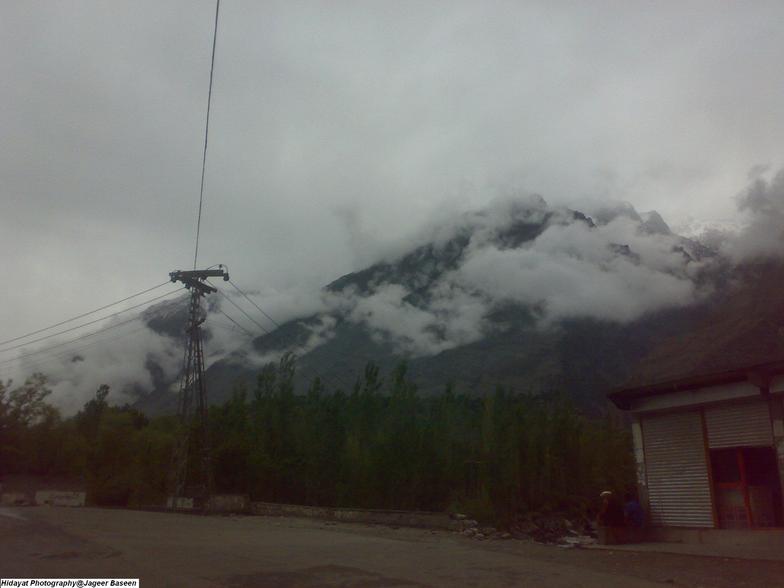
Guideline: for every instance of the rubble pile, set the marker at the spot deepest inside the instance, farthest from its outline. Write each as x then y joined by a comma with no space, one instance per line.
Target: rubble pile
548,529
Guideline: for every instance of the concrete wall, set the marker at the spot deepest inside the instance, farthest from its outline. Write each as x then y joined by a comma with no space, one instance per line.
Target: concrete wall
179,503
237,503
15,499
428,520
59,498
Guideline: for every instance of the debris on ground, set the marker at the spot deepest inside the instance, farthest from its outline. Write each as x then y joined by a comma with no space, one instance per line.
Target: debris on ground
549,529
554,528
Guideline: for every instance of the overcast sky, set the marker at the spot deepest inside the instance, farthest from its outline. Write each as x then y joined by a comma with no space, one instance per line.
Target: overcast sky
340,128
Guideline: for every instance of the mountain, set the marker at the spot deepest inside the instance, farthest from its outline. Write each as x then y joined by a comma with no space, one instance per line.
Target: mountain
539,299
740,326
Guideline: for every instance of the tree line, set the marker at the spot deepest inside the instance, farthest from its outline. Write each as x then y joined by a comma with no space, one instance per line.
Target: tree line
378,445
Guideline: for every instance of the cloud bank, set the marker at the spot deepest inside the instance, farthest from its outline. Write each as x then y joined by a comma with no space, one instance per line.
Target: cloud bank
616,267
445,286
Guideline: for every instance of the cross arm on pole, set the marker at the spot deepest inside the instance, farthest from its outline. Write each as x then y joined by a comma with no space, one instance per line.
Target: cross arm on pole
195,278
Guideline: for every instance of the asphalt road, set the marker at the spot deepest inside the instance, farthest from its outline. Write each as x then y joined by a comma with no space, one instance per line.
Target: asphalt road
196,551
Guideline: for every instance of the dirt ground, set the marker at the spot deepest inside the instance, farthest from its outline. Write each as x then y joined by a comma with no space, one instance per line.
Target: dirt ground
198,551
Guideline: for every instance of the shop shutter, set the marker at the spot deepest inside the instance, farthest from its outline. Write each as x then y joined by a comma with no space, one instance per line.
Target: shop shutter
744,424
677,472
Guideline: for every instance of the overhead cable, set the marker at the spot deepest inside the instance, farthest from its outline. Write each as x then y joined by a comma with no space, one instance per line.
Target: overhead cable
71,352
83,314
242,310
206,132
237,288
74,340
92,322
277,324
243,329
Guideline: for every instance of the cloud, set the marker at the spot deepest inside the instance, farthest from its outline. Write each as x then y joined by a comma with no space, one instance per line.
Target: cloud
444,288
118,358
616,269
377,109
345,136
318,330
615,265
130,356
452,318
762,203
565,282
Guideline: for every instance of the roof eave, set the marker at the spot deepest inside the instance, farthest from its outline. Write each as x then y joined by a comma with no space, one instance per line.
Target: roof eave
759,374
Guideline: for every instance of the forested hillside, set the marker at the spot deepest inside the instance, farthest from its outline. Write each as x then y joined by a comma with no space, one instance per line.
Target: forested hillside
379,445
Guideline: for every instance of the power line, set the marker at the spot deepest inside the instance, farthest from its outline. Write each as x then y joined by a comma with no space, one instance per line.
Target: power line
243,329
85,336
206,132
277,324
48,358
238,307
83,314
81,337
255,322
274,322
92,322
237,288
233,327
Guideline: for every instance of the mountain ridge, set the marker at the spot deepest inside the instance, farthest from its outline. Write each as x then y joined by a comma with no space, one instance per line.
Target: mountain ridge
414,308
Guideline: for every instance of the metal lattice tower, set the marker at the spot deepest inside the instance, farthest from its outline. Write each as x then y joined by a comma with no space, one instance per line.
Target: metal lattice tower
192,478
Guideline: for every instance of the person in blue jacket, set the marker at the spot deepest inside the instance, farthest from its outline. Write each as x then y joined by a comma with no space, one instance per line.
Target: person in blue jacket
633,513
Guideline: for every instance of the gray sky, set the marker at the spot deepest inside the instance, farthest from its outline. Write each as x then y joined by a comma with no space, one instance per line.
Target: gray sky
340,128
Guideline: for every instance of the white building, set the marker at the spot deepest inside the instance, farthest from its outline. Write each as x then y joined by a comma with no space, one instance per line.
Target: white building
710,450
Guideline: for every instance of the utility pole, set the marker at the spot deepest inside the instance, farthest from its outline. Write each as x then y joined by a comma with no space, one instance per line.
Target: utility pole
193,488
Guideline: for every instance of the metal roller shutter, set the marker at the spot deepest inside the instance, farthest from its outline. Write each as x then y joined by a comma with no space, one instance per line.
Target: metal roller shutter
739,425
678,481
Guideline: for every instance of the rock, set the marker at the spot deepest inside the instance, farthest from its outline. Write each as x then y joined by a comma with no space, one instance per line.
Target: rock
505,536
488,530
459,516
469,532
479,536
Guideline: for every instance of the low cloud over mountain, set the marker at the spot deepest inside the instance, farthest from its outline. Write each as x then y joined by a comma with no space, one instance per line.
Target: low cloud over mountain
557,262
519,276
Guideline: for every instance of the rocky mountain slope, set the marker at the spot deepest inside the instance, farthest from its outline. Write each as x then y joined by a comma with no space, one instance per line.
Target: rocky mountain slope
538,299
